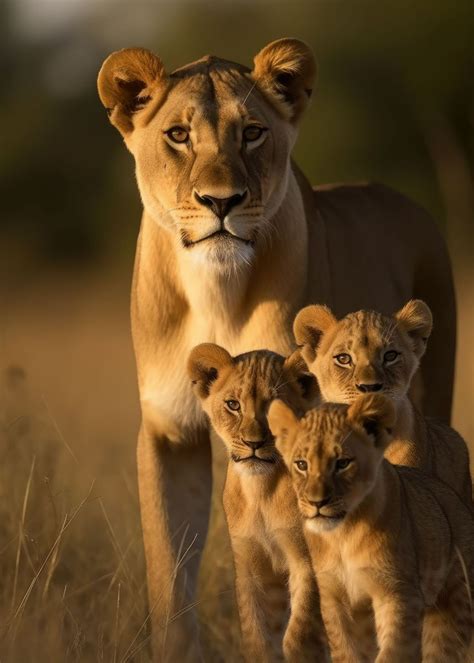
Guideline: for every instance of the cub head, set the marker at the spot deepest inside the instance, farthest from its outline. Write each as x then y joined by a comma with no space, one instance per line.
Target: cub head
365,351
211,142
235,393
333,454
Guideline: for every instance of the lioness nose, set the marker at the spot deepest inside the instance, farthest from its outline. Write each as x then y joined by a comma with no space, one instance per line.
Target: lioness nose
220,206
365,388
321,503
254,444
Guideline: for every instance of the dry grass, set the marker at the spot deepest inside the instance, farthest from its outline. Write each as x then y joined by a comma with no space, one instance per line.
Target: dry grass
71,558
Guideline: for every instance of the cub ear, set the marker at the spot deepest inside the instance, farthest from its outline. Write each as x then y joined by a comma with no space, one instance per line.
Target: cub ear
376,415
286,70
127,81
296,370
417,320
309,326
281,420
204,364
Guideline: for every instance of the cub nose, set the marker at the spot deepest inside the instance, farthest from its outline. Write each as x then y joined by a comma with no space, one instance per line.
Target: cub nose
366,388
220,206
321,503
254,445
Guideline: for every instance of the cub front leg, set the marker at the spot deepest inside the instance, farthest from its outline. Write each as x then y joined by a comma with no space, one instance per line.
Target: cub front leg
174,480
399,623
305,638
251,570
448,626
337,620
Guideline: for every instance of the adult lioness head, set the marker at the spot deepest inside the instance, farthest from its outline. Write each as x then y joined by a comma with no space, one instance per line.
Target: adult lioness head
211,141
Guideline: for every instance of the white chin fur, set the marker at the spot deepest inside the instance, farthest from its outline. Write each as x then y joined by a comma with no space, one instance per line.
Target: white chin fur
318,525
224,255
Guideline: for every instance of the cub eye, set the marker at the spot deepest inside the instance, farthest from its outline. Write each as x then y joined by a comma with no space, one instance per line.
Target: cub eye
342,463
343,359
233,405
390,356
252,133
177,134
302,465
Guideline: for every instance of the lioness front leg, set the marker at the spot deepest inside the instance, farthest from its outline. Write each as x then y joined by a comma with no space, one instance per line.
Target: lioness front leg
399,622
175,486
251,571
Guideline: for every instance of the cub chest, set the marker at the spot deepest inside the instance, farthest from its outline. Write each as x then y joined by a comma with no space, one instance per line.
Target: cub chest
261,523
344,578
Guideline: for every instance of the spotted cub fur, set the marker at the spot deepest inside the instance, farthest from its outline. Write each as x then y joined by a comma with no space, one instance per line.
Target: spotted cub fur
369,352
261,511
379,534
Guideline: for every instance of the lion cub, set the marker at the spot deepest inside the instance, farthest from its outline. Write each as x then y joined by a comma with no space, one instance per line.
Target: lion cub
260,506
379,534
369,352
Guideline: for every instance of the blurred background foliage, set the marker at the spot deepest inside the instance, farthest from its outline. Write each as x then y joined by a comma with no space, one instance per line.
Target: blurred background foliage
394,102
393,75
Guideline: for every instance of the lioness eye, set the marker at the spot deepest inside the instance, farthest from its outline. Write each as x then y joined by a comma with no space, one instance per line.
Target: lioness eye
252,133
302,465
390,356
344,359
177,134
342,463
233,405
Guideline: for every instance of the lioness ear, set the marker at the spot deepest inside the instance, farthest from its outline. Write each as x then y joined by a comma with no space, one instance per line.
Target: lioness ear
127,81
296,370
309,325
286,69
281,420
416,319
376,415
204,364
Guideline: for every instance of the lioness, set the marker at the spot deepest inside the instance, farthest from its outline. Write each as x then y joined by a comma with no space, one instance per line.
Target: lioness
369,352
379,533
233,242
259,503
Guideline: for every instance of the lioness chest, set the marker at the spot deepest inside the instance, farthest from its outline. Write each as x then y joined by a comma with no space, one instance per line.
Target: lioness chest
165,389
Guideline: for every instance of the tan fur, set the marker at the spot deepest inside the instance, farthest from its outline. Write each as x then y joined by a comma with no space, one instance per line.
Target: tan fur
260,507
380,535
285,245
384,353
